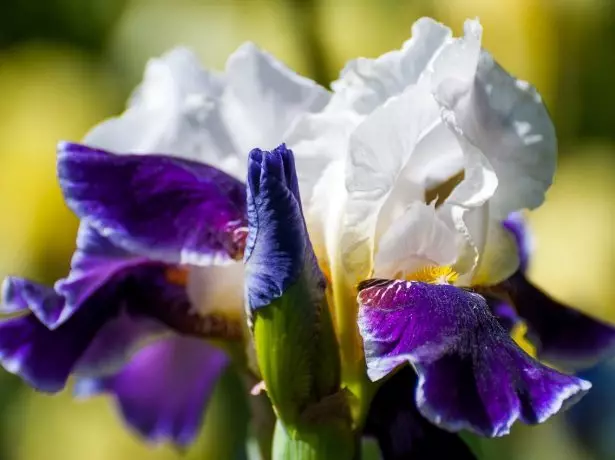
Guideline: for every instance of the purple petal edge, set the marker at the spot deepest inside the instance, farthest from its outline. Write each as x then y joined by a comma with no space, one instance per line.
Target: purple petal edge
162,207
163,391
562,335
471,374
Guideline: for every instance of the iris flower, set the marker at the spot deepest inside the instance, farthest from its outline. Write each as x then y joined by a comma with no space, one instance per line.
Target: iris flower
157,273
396,211
413,211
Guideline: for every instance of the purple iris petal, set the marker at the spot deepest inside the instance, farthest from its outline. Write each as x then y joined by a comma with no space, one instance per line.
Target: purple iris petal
162,392
45,358
94,262
278,249
562,335
117,340
471,373
515,223
166,208
132,304
402,432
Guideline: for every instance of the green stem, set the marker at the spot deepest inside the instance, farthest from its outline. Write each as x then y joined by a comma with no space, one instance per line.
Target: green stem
322,441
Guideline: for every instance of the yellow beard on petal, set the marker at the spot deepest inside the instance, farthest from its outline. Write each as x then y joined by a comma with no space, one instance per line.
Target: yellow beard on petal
434,274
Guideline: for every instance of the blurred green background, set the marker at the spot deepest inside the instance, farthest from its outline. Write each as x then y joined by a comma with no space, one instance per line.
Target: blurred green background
67,64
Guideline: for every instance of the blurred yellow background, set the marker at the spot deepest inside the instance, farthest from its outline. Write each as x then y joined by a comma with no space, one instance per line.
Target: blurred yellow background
67,64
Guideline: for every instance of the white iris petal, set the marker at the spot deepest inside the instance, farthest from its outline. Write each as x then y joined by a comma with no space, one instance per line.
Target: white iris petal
438,125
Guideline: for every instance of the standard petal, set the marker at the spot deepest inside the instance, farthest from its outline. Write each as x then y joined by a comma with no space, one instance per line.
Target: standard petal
365,84
396,157
174,110
471,374
168,209
379,150
507,120
562,335
402,432
278,249
318,139
263,98
163,391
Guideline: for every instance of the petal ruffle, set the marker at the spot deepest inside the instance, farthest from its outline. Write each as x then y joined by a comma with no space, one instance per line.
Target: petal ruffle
380,148
278,249
163,391
44,358
165,208
114,320
471,374
263,98
402,432
174,110
365,84
562,335
504,117
93,264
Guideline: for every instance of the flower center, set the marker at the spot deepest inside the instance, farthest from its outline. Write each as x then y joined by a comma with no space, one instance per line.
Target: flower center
434,274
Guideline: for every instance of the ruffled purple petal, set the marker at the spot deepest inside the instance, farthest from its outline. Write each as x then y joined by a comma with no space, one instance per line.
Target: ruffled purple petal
166,208
471,373
94,263
400,429
278,249
562,336
44,358
163,391
117,317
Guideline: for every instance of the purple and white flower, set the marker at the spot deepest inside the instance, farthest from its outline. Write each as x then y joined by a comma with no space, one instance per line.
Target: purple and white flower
158,267
436,146
408,173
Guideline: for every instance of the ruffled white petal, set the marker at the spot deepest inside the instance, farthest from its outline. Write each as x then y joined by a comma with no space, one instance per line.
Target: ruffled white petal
365,84
175,111
263,98
506,119
317,139
379,150
325,214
